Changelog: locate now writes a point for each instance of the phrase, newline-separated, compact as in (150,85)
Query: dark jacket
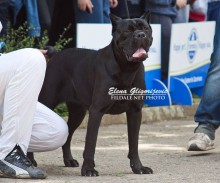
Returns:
(135,7)
(163,7)
(4,14)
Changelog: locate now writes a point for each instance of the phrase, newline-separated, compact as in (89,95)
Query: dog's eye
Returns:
(140,25)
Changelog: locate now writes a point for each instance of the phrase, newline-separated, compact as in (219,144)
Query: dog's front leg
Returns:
(91,138)
(134,122)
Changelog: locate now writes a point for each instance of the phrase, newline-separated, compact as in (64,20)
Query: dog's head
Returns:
(132,37)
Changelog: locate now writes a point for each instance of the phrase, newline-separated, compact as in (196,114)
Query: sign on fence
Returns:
(190,50)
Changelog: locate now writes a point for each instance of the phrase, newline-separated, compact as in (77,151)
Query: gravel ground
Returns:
(162,146)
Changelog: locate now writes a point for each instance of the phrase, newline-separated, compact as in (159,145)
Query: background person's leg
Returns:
(44,15)
(166,24)
(208,109)
(106,11)
(207,115)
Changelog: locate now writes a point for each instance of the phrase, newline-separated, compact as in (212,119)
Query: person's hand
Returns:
(113,3)
(181,3)
(44,52)
(84,5)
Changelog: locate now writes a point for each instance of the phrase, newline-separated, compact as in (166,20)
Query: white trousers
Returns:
(23,120)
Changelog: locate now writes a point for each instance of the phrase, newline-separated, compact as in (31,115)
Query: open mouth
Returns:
(139,55)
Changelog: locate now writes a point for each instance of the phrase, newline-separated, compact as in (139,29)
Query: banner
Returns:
(190,50)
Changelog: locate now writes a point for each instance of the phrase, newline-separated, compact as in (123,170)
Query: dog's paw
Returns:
(71,163)
(142,170)
(88,169)
(89,172)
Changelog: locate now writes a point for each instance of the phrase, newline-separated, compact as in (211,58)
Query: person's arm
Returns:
(84,5)
(181,3)
(44,52)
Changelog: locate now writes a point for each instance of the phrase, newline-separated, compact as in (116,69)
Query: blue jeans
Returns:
(166,24)
(208,110)
(213,11)
(32,15)
(100,13)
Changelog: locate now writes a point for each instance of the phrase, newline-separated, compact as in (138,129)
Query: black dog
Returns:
(82,78)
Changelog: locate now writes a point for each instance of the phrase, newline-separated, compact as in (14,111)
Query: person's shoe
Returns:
(206,128)
(200,142)
(17,165)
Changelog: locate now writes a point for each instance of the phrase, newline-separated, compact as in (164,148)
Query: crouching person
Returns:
(25,124)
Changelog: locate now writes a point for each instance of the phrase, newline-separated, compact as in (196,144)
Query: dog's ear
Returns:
(114,19)
(146,16)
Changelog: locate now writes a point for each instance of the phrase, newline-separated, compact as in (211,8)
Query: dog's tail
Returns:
(51,51)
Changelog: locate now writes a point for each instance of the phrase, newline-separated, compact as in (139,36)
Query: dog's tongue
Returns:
(139,53)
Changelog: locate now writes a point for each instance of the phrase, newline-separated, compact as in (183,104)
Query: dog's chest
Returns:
(121,97)
(125,80)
